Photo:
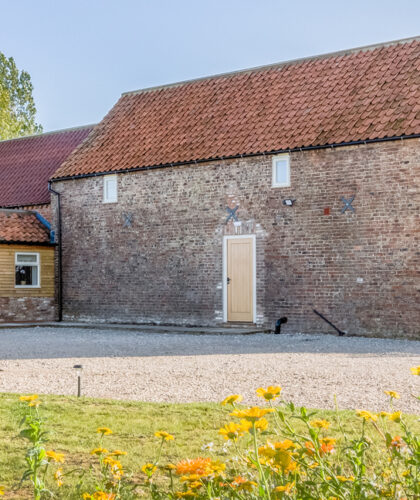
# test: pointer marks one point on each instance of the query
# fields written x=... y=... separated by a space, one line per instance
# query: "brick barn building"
x=251 y=196
x=27 y=291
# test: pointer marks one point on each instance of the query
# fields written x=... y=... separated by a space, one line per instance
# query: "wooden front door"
x=240 y=279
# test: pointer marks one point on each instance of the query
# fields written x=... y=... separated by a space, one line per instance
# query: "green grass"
x=72 y=424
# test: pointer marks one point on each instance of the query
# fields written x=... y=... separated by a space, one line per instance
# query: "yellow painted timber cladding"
x=7 y=271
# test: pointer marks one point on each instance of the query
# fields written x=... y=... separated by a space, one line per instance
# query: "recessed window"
x=281 y=171
x=27 y=270
x=110 y=189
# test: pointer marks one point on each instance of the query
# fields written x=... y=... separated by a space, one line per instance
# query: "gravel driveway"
x=184 y=368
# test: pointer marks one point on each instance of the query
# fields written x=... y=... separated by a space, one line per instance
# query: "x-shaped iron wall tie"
x=232 y=213
x=128 y=219
x=347 y=204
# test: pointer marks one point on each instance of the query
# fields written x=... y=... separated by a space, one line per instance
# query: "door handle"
x=228 y=280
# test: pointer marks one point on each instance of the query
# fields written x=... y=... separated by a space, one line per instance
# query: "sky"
x=82 y=54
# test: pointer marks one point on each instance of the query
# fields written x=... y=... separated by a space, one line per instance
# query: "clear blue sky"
x=82 y=54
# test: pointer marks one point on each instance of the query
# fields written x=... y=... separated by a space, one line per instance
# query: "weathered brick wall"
x=44 y=210
x=27 y=309
x=167 y=267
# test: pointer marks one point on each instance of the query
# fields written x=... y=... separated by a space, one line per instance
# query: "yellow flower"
x=234 y=431
x=101 y=495
x=384 y=414
x=287 y=488
x=57 y=457
x=230 y=400
x=242 y=484
x=367 y=415
x=2 y=490
x=164 y=435
x=251 y=414
x=272 y=392
x=190 y=478
x=99 y=451
x=58 y=476
x=35 y=403
x=185 y=494
x=395 y=417
x=29 y=398
x=261 y=424
x=105 y=431
x=320 y=424
x=86 y=496
x=149 y=469
x=115 y=453
x=392 y=394
x=415 y=370
x=344 y=479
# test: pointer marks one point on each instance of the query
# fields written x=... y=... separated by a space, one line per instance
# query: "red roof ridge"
x=51 y=132
x=325 y=55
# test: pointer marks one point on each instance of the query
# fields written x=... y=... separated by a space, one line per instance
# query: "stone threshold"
x=147 y=328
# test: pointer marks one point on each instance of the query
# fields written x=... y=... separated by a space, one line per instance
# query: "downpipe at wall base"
x=60 y=253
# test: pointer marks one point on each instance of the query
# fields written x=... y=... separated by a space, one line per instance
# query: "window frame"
x=108 y=178
x=36 y=264
x=274 y=182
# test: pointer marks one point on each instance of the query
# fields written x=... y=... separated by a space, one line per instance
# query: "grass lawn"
x=72 y=423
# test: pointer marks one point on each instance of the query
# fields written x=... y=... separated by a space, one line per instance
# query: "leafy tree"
x=17 y=107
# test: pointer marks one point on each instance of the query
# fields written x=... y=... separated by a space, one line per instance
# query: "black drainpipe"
x=60 y=255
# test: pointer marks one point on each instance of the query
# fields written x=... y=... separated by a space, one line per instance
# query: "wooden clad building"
x=26 y=267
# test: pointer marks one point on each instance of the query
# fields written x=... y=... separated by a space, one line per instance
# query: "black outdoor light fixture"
x=78 y=369
x=288 y=202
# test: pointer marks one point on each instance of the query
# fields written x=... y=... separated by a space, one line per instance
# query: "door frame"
x=254 y=274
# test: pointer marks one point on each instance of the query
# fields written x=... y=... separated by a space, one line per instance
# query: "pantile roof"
x=27 y=163
x=22 y=226
x=362 y=94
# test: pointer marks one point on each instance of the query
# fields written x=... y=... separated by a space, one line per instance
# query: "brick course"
x=167 y=267
x=27 y=309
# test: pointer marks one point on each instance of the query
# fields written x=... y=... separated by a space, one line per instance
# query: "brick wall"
x=26 y=309
x=361 y=270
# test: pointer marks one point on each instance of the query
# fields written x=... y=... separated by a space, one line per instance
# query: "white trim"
x=274 y=182
x=36 y=264
x=254 y=274
x=106 y=179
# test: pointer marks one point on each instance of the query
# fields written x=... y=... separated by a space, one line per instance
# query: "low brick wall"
x=26 y=309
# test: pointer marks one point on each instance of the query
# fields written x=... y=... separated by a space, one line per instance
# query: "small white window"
x=281 y=171
x=27 y=270
x=110 y=189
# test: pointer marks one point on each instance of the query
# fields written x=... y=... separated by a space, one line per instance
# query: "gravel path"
x=185 y=368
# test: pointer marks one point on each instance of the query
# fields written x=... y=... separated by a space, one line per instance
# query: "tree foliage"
x=17 y=106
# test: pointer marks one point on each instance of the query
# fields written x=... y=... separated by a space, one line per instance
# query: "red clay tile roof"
x=363 y=94
x=27 y=163
x=20 y=226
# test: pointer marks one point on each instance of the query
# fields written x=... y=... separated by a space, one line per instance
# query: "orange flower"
x=242 y=484
x=396 y=442
x=327 y=445
x=200 y=466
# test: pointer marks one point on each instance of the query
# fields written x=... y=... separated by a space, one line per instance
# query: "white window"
x=27 y=270
x=281 y=171
x=110 y=189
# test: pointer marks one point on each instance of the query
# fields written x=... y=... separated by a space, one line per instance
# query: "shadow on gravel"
x=49 y=342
